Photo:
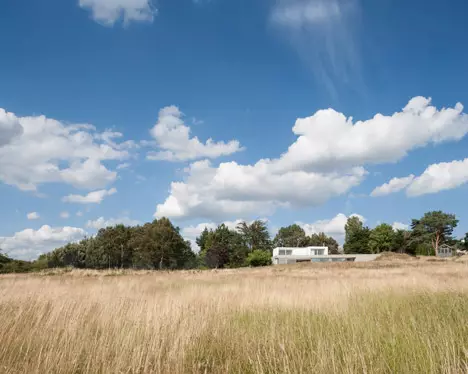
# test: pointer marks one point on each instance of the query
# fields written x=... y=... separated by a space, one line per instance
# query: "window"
x=285 y=252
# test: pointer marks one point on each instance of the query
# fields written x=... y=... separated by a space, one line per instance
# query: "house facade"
x=290 y=255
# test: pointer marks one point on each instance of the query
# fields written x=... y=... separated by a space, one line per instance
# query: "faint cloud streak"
x=323 y=32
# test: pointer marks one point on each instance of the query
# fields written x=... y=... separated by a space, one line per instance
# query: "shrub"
x=259 y=258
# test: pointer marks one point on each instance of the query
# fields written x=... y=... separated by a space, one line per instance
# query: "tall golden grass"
x=381 y=317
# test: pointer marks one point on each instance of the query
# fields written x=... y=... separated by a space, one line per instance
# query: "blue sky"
x=107 y=107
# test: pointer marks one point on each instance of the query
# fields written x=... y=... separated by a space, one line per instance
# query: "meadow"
x=393 y=316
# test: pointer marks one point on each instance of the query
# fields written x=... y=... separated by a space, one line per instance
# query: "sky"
x=215 y=111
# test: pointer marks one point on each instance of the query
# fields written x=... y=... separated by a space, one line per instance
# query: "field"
x=388 y=316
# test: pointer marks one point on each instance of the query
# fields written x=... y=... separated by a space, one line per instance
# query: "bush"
x=259 y=258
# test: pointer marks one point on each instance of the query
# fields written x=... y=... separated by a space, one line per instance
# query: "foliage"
x=401 y=241
x=159 y=245
x=356 y=236
x=321 y=239
x=224 y=248
x=9 y=265
x=259 y=258
x=434 y=229
x=464 y=243
x=381 y=239
x=255 y=235
x=156 y=245
x=291 y=236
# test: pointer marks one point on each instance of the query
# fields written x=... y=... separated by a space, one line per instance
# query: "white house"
x=291 y=255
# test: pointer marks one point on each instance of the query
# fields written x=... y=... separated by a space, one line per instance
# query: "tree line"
x=423 y=237
x=159 y=244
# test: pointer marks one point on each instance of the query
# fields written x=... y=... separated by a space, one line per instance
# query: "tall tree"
x=434 y=228
x=290 y=236
x=381 y=238
x=401 y=241
x=218 y=253
x=321 y=239
x=203 y=239
x=356 y=236
x=255 y=235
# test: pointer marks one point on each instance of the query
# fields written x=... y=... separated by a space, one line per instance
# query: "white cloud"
x=400 y=226
x=10 y=127
x=49 y=151
x=334 y=227
x=33 y=215
x=440 y=177
x=325 y=161
x=79 y=213
x=329 y=140
x=94 y=197
x=29 y=244
x=436 y=178
x=172 y=136
x=101 y=222
x=108 y=12
x=395 y=185
x=64 y=215
x=242 y=190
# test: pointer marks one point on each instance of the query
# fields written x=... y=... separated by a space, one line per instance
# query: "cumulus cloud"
x=325 y=161
x=172 y=136
x=10 y=127
x=33 y=216
x=48 y=151
x=242 y=190
x=108 y=12
x=395 y=185
x=440 y=177
x=436 y=178
x=329 y=140
x=95 y=197
x=29 y=244
x=334 y=227
x=102 y=223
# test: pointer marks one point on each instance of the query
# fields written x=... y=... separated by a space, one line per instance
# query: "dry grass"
x=381 y=317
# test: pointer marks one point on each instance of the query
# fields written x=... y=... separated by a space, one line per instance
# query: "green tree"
x=159 y=245
x=401 y=241
x=381 y=238
x=259 y=258
x=203 y=239
x=465 y=243
x=356 y=237
x=321 y=239
x=433 y=229
x=255 y=235
x=218 y=252
x=290 y=236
